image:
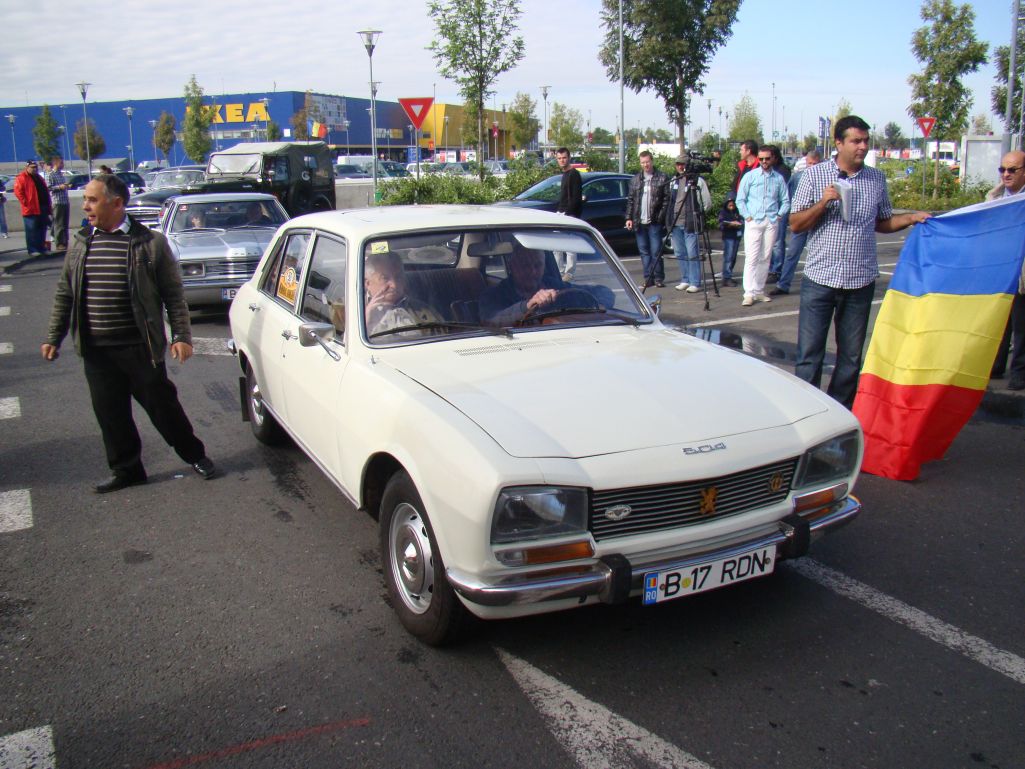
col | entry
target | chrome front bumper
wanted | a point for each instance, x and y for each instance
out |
(613, 578)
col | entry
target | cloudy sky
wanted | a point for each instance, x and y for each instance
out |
(816, 53)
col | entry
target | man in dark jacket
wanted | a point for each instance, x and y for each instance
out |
(117, 279)
(645, 215)
(571, 203)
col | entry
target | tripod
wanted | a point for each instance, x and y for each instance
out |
(691, 202)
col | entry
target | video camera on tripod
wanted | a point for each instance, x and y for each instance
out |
(697, 164)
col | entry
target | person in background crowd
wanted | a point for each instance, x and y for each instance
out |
(779, 248)
(682, 222)
(842, 266)
(571, 203)
(731, 224)
(762, 200)
(3, 215)
(797, 240)
(118, 279)
(58, 185)
(748, 161)
(30, 189)
(645, 215)
(1012, 181)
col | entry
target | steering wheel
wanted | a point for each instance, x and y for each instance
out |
(567, 299)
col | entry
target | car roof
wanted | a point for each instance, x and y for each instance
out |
(223, 197)
(361, 223)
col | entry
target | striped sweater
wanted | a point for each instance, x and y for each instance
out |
(109, 319)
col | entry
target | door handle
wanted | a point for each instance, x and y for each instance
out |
(254, 307)
(288, 335)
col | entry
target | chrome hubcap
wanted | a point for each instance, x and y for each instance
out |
(412, 562)
(256, 403)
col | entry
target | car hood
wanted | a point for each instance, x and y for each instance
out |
(204, 243)
(578, 393)
(540, 205)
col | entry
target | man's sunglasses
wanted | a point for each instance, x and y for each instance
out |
(764, 160)
(1010, 169)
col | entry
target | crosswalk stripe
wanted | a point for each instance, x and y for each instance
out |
(30, 749)
(10, 408)
(15, 515)
(6, 348)
(5, 311)
(4, 287)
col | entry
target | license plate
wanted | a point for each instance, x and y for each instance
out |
(227, 294)
(697, 578)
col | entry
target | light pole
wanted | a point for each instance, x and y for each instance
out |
(412, 144)
(345, 126)
(11, 119)
(720, 128)
(622, 115)
(67, 146)
(773, 111)
(266, 118)
(370, 42)
(434, 133)
(709, 116)
(153, 125)
(544, 135)
(83, 88)
(446, 138)
(131, 138)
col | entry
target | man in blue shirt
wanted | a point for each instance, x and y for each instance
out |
(762, 200)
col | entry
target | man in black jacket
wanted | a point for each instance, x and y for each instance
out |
(645, 215)
(571, 203)
(117, 279)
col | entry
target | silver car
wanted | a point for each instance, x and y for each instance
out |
(218, 240)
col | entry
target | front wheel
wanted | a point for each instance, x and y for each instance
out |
(265, 427)
(413, 570)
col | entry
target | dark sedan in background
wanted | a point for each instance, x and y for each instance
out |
(604, 204)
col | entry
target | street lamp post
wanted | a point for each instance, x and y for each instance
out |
(544, 135)
(774, 111)
(412, 143)
(83, 88)
(709, 116)
(370, 42)
(14, 143)
(266, 118)
(720, 128)
(345, 127)
(153, 125)
(67, 136)
(131, 138)
(446, 137)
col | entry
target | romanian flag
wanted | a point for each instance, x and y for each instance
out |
(937, 334)
(317, 130)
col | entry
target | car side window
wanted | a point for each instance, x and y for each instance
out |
(283, 277)
(599, 191)
(324, 298)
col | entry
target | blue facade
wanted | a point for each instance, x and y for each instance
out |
(240, 118)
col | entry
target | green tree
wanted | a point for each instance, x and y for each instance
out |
(164, 136)
(745, 123)
(97, 146)
(523, 119)
(566, 127)
(475, 42)
(981, 125)
(273, 131)
(602, 136)
(1002, 57)
(196, 124)
(668, 46)
(46, 135)
(660, 135)
(810, 142)
(843, 109)
(893, 136)
(301, 118)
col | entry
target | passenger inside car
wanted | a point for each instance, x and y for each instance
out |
(388, 306)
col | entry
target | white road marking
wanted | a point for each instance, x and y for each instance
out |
(748, 318)
(5, 311)
(4, 287)
(6, 348)
(955, 639)
(10, 408)
(594, 736)
(15, 514)
(210, 346)
(31, 749)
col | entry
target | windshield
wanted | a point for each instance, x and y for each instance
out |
(234, 164)
(176, 179)
(426, 286)
(226, 215)
(546, 191)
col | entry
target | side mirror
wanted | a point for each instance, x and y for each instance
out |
(654, 302)
(311, 334)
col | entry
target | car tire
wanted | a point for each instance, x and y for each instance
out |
(413, 570)
(265, 427)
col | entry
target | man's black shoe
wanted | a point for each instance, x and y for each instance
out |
(660, 284)
(772, 277)
(205, 468)
(1016, 383)
(118, 482)
(729, 282)
(778, 291)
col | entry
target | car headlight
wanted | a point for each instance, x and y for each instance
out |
(192, 269)
(830, 461)
(526, 513)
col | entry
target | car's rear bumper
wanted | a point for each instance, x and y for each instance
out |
(613, 579)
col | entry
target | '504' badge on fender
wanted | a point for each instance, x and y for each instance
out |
(704, 448)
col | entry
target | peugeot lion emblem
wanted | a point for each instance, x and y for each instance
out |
(708, 500)
(618, 512)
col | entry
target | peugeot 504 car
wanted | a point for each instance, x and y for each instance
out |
(218, 240)
(496, 420)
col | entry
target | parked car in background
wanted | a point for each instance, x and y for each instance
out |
(395, 347)
(77, 181)
(349, 171)
(136, 184)
(604, 205)
(218, 240)
(148, 206)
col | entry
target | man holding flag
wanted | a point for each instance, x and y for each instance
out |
(841, 266)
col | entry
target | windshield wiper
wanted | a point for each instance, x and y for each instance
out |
(442, 324)
(556, 312)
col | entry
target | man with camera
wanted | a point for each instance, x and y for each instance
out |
(689, 199)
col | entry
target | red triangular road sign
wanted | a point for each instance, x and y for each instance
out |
(926, 124)
(416, 109)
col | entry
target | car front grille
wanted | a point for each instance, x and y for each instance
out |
(230, 268)
(148, 215)
(676, 505)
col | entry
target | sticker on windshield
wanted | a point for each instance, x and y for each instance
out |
(381, 247)
(287, 284)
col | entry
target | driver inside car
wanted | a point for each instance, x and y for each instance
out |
(387, 304)
(527, 289)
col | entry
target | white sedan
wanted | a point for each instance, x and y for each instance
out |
(528, 444)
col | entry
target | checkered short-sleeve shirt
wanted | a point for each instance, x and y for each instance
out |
(843, 254)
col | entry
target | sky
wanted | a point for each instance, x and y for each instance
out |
(808, 55)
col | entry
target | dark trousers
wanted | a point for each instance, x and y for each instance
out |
(59, 226)
(35, 233)
(1015, 331)
(115, 376)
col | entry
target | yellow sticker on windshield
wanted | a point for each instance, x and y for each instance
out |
(381, 247)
